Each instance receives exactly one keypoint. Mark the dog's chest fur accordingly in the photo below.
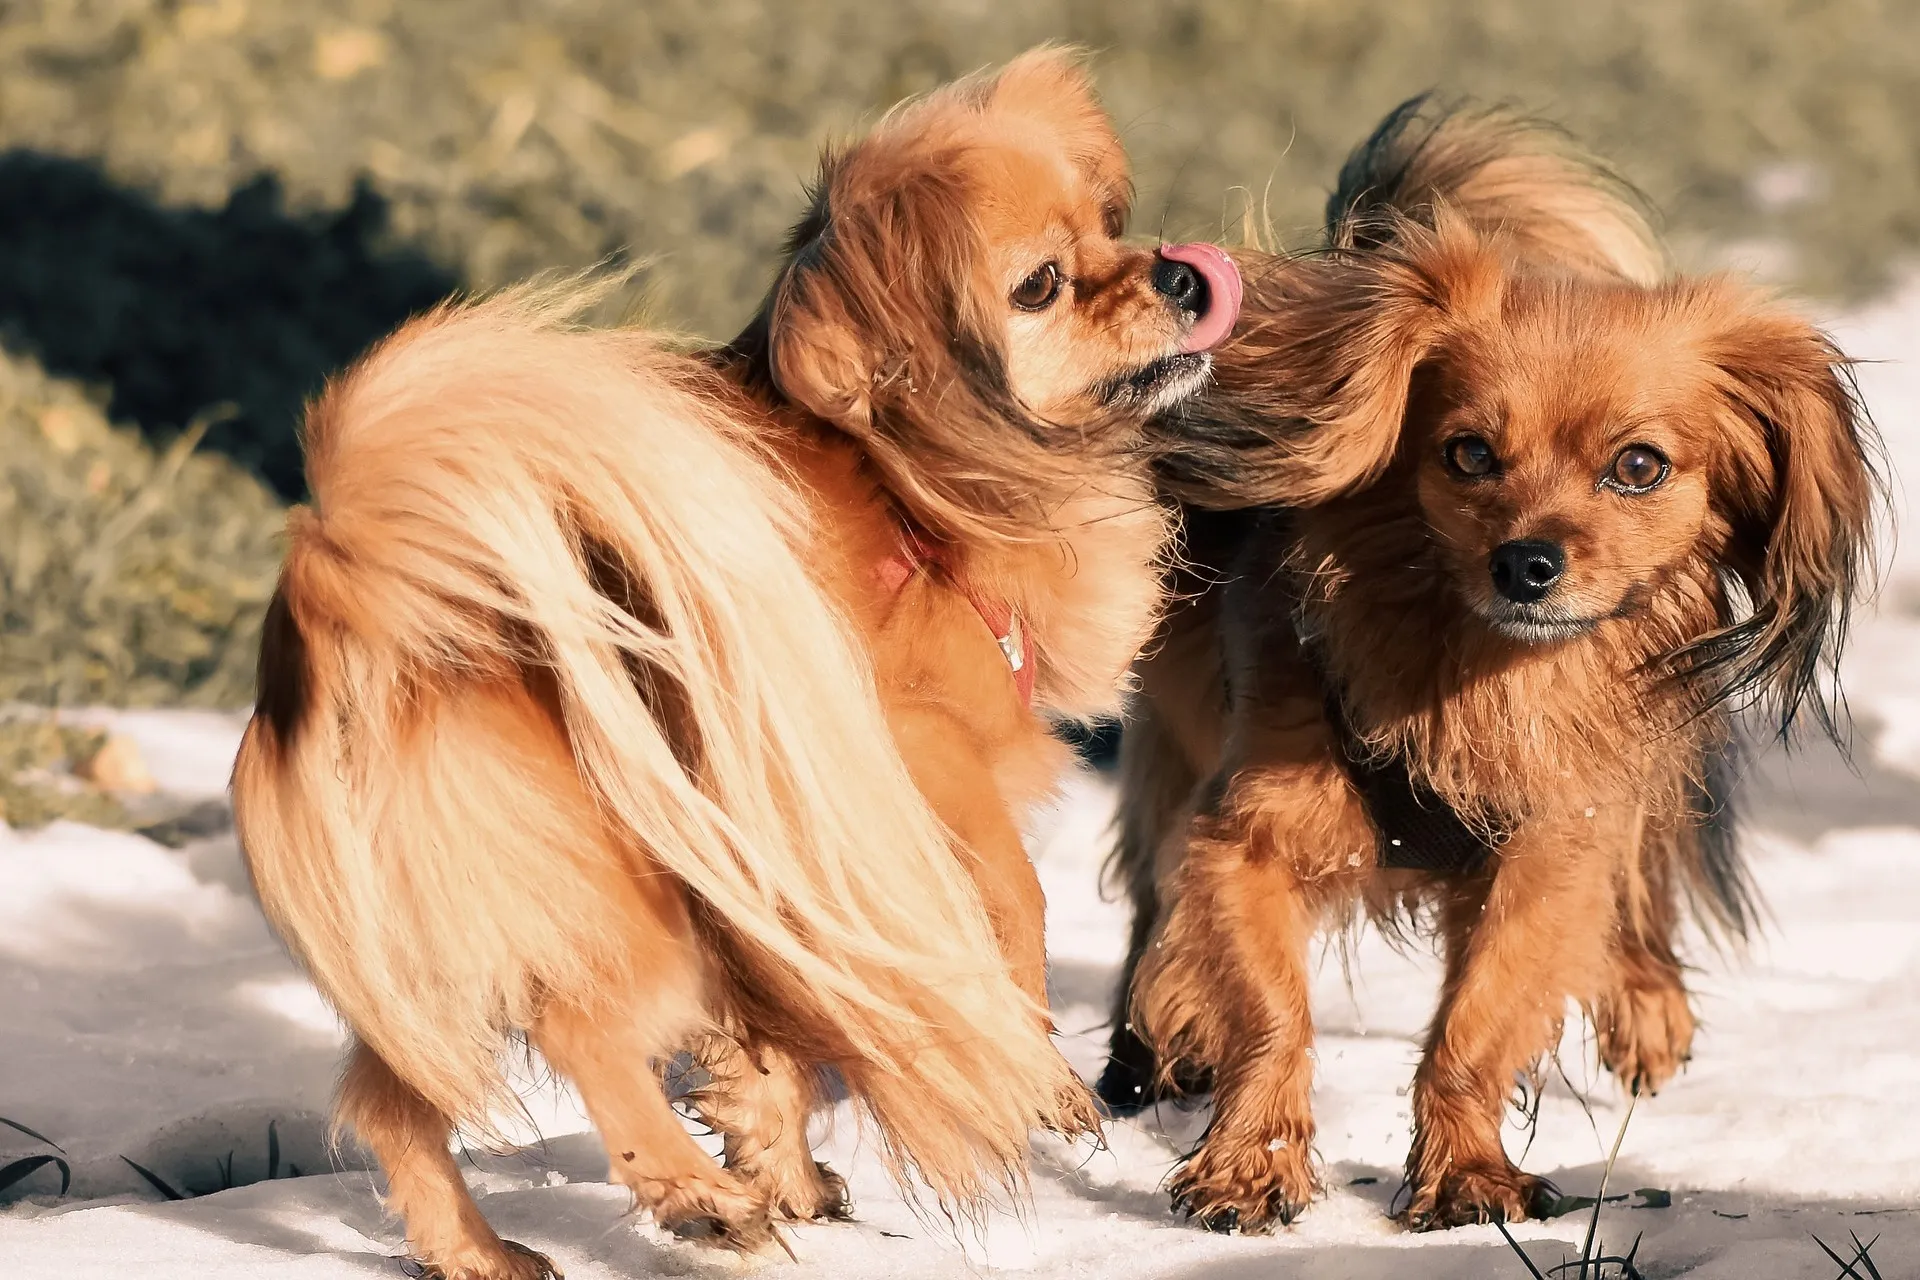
(1501, 730)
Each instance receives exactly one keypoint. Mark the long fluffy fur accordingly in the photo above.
(1494, 175)
(1481, 281)
(472, 481)
(646, 701)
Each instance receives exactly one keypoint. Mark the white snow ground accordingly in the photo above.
(146, 1013)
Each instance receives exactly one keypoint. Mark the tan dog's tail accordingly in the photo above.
(1514, 179)
(502, 499)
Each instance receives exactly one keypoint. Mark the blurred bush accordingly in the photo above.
(172, 310)
(515, 135)
(39, 761)
(128, 575)
(406, 147)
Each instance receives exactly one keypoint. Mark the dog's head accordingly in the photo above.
(959, 299)
(1583, 449)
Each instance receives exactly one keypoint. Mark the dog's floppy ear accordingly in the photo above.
(875, 326)
(817, 317)
(882, 321)
(1312, 394)
(1800, 491)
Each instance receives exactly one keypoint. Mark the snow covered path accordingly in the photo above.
(146, 1015)
(150, 1015)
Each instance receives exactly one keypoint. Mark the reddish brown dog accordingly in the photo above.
(1535, 514)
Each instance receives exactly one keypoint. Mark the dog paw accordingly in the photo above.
(1250, 1187)
(794, 1186)
(1646, 1036)
(1075, 1113)
(1467, 1196)
(821, 1197)
(514, 1261)
(726, 1216)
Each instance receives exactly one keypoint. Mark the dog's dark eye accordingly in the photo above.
(1636, 469)
(1470, 456)
(1037, 291)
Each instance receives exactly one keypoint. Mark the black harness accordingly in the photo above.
(1416, 829)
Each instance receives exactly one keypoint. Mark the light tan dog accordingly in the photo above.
(644, 702)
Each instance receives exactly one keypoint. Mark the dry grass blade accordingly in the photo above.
(1628, 1270)
(155, 1181)
(35, 1134)
(1865, 1255)
(1520, 1253)
(1846, 1268)
(12, 1173)
(1591, 1264)
(1862, 1255)
(1606, 1173)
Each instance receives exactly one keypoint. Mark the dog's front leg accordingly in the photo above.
(1645, 1021)
(1225, 983)
(1522, 939)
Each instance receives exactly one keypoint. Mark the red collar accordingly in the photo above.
(1016, 643)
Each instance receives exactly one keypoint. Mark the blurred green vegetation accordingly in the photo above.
(128, 575)
(503, 137)
(38, 759)
(514, 135)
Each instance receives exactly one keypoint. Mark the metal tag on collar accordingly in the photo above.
(1012, 646)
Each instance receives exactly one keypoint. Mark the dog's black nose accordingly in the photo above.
(1525, 571)
(1180, 284)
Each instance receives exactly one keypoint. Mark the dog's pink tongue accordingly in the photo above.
(1223, 292)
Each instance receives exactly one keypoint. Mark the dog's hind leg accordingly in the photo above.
(607, 1052)
(960, 785)
(759, 1100)
(445, 1230)
(1155, 784)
